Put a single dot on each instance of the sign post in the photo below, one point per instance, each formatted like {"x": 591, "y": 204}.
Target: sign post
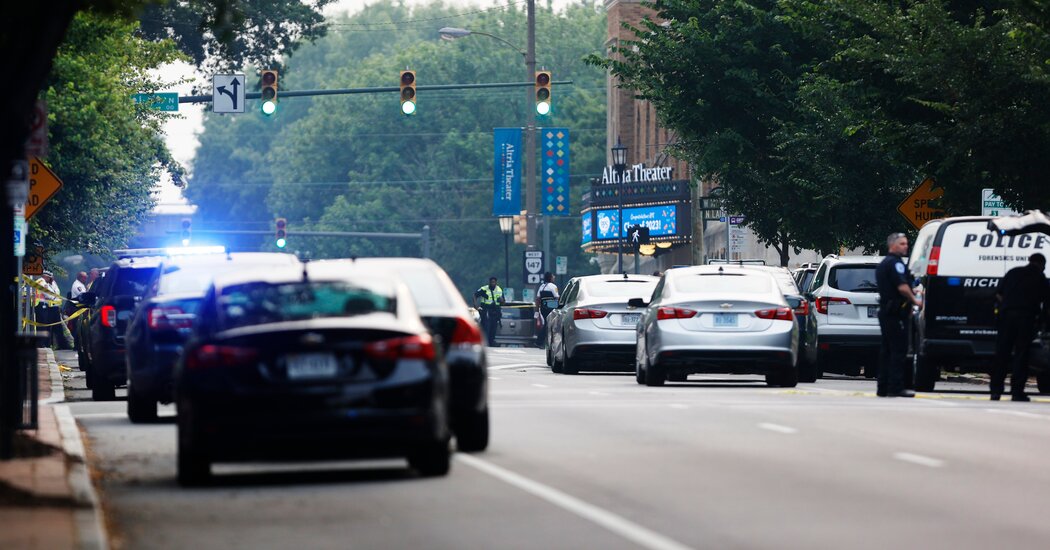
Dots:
{"x": 918, "y": 207}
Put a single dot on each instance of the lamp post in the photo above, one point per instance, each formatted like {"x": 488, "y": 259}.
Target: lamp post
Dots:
{"x": 506, "y": 225}
{"x": 619, "y": 158}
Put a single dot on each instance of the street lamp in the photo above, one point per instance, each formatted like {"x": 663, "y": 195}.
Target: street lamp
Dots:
{"x": 619, "y": 158}
{"x": 506, "y": 225}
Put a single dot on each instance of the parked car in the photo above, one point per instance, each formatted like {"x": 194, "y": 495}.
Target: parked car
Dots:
{"x": 846, "y": 306}
{"x": 804, "y": 276}
{"x": 316, "y": 362}
{"x": 807, "y": 324}
{"x": 448, "y": 316}
{"x": 164, "y": 320}
{"x": 81, "y": 325}
{"x": 720, "y": 319}
{"x": 517, "y": 324}
{"x": 102, "y": 329}
{"x": 593, "y": 328}
{"x": 959, "y": 263}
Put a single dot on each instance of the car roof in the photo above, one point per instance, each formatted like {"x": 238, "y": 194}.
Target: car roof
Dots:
{"x": 613, "y": 277}
{"x": 240, "y": 257}
{"x": 454, "y": 303}
{"x": 137, "y": 262}
{"x": 854, "y": 259}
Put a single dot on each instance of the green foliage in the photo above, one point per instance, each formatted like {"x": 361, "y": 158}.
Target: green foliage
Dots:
{"x": 354, "y": 163}
{"x": 107, "y": 151}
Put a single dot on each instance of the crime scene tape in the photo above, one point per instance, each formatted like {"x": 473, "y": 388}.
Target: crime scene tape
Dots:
{"x": 75, "y": 314}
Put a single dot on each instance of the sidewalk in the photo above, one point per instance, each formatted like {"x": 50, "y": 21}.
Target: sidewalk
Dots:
{"x": 47, "y": 500}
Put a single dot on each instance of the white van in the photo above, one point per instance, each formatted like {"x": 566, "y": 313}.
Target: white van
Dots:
{"x": 959, "y": 262}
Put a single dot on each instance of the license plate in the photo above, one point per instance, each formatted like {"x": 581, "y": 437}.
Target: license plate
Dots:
{"x": 310, "y": 366}
{"x": 725, "y": 319}
{"x": 873, "y": 311}
{"x": 630, "y": 318}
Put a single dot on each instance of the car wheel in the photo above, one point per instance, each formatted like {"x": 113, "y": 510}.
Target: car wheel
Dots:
{"x": 556, "y": 365}
{"x": 784, "y": 377}
{"x": 807, "y": 372}
{"x": 102, "y": 390}
{"x": 550, "y": 358}
{"x": 639, "y": 372}
{"x": 926, "y": 373}
{"x": 472, "y": 432}
{"x": 194, "y": 467}
{"x": 871, "y": 370}
{"x": 432, "y": 460}
{"x": 1043, "y": 381}
{"x": 141, "y": 408}
{"x": 654, "y": 374}
{"x": 568, "y": 364}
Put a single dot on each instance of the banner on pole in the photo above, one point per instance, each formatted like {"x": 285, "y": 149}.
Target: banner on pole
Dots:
{"x": 506, "y": 194}
{"x": 555, "y": 170}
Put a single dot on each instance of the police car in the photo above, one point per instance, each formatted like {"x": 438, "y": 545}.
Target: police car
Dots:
{"x": 959, "y": 262}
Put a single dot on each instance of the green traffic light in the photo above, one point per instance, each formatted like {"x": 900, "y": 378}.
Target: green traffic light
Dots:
{"x": 281, "y": 243}
{"x": 543, "y": 107}
{"x": 269, "y": 107}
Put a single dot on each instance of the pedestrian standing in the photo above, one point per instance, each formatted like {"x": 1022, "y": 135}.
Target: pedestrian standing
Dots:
{"x": 92, "y": 275}
{"x": 546, "y": 300}
{"x": 49, "y": 312}
{"x": 79, "y": 286}
{"x": 488, "y": 300}
{"x": 1021, "y": 298}
{"x": 895, "y": 301}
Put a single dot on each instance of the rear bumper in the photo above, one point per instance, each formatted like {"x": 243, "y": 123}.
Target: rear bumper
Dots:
{"x": 154, "y": 376}
{"x": 731, "y": 361}
{"x": 858, "y": 341}
{"x": 605, "y": 356}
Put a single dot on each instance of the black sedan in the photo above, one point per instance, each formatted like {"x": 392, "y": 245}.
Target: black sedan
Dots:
{"x": 318, "y": 362}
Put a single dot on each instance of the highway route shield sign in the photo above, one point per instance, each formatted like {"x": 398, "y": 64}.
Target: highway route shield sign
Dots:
{"x": 43, "y": 184}
{"x": 918, "y": 207}
{"x": 227, "y": 93}
{"x": 533, "y": 267}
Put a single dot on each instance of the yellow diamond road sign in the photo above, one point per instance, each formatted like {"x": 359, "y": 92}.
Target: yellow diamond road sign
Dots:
{"x": 917, "y": 208}
{"x": 43, "y": 184}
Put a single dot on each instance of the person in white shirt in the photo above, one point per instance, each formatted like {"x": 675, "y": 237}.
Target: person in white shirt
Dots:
{"x": 79, "y": 286}
{"x": 547, "y": 289}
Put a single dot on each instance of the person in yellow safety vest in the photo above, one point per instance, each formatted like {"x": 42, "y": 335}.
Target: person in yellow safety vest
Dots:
{"x": 48, "y": 306}
{"x": 488, "y": 300}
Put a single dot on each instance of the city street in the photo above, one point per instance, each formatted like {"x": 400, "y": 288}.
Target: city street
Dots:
{"x": 597, "y": 461}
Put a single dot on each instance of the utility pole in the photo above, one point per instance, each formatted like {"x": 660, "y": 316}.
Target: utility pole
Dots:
{"x": 530, "y": 129}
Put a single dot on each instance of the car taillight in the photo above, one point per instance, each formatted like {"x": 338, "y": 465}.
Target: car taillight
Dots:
{"x": 584, "y": 313}
{"x": 803, "y": 308}
{"x": 168, "y": 318}
{"x": 664, "y": 313}
{"x": 934, "y": 262}
{"x": 776, "y": 313}
{"x": 466, "y": 332}
{"x": 109, "y": 316}
{"x": 822, "y": 303}
{"x": 211, "y": 356}
{"x": 408, "y": 347}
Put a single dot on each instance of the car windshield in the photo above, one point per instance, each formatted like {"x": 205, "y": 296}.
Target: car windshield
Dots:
{"x": 853, "y": 278}
{"x": 723, "y": 282}
{"x": 259, "y": 302}
{"x": 620, "y": 288}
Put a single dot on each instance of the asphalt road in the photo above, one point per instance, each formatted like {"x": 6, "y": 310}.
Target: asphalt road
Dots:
{"x": 596, "y": 461}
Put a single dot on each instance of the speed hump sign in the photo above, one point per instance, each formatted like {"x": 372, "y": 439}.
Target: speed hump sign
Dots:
{"x": 533, "y": 274}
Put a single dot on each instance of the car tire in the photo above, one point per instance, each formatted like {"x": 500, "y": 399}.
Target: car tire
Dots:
{"x": 431, "y": 460}
{"x": 784, "y": 377}
{"x": 822, "y": 364}
{"x": 142, "y": 409}
{"x": 550, "y": 358}
{"x": 926, "y": 373}
{"x": 654, "y": 374}
{"x": 1042, "y": 380}
{"x": 194, "y": 467}
{"x": 102, "y": 390}
{"x": 568, "y": 364}
{"x": 807, "y": 372}
{"x": 472, "y": 432}
{"x": 871, "y": 371}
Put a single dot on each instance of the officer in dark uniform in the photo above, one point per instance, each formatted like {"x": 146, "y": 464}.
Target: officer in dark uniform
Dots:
{"x": 895, "y": 301}
{"x": 1021, "y": 297}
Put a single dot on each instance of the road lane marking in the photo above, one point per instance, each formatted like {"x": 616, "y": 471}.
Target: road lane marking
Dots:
{"x": 678, "y": 406}
{"x": 598, "y": 393}
{"x": 777, "y": 428}
{"x": 517, "y": 366}
{"x": 919, "y": 459}
{"x": 600, "y": 516}
{"x": 500, "y": 351}
{"x": 540, "y": 386}
{"x": 1022, "y": 414}
{"x": 495, "y": 378}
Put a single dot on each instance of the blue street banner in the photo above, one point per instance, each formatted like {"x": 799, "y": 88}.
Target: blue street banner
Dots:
{"x": 506, "y": 169}
{"x": 555, "y": 171}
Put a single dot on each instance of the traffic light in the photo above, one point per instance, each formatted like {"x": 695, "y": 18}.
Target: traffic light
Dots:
{"x": 543, "y": 92}
{"x": 408, "y": 92}
{"x": 521, "y": 228}
{"x": 269, "y": 91}
{"x": 281, "y": 235}
{"x": 186, "y": 222}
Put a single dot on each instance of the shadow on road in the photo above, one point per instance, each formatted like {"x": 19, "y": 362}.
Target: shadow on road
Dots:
{"x": 326, "y": 476}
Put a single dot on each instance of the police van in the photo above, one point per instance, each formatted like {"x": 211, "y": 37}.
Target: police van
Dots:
{"x": 959, "y": 262}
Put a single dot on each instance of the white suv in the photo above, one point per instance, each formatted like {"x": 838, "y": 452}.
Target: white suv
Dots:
{"x": 846, "y": 306}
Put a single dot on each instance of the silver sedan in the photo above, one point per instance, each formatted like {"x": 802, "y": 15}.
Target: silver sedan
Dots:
{"x": 593, "y": 328}
{"x": 721, "y": 319}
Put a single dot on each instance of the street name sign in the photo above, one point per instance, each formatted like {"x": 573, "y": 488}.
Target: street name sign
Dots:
{"x": 533, "y": 267}
{"x": 227, "y": 93}
{"x": 918, "y": 207}
{"x": 43, "y": 184}
{"x": 165, "y": 101}
{"x": 993, "y": 205}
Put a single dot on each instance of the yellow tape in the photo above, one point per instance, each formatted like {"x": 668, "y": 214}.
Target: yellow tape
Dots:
{"x": 75, "y": 314}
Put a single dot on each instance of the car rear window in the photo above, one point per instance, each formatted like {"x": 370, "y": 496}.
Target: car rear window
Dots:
{"x": 806, "y": 279}
{"x": 740, "y": 283}
{"x": 517, "y": 312}
{"x": 196, "y": 277}
{"x": 853, "y": 278}
{"x": 620, "y": 288}
{"x": 426, "y": 289}
{"x": 131, "y": 281}
{"x": 260, "y": 303}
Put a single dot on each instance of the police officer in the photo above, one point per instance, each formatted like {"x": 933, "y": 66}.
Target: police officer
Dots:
{"x": 895, "y": 301}
{"x": 1021, "y": 297}
{"x": 488, "y": 300}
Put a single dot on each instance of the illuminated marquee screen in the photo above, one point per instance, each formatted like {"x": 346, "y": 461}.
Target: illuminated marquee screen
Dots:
{"x": 661, "y": 220}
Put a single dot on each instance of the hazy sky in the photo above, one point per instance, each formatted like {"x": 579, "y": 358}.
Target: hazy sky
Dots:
{"x": 181, "y": 132}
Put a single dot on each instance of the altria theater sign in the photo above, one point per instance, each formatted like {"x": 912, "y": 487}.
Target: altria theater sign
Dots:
{"x": 637, "y": 173}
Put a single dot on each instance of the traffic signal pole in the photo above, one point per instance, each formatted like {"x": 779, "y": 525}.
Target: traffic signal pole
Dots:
{"x": 374, "y": 90}
{"x": 530, "y": 130}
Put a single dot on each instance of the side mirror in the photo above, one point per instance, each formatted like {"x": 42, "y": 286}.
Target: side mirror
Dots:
{"x": 87, "y": 299}
{"x": 637, "y": 302}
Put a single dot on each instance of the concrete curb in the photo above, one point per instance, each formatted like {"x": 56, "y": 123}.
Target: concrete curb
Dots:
{"x": 91, "y": 529}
